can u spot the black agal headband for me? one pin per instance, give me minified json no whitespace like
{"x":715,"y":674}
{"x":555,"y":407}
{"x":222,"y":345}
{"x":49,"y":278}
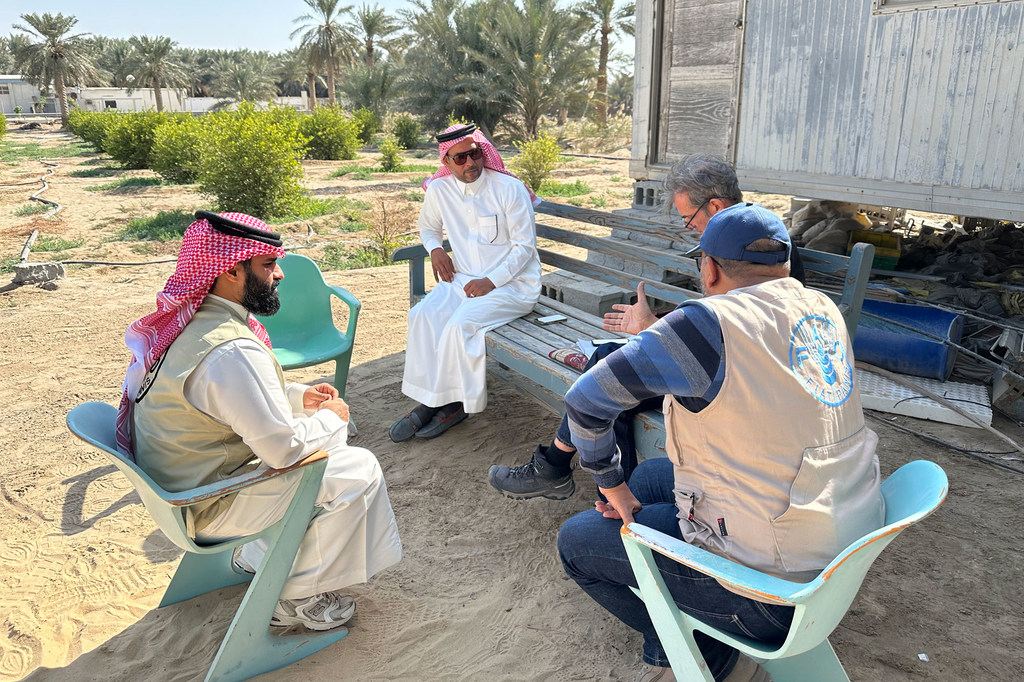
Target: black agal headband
{"x":237,"y":229}
{"x":461,"y":131}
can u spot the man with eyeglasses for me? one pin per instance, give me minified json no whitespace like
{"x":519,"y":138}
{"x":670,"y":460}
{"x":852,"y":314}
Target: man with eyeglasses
{"x":492,"y":277}
{"x":769,"y":463}
{"x":700,"y":186}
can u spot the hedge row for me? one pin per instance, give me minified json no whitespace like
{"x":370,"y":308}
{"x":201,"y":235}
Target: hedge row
{"x":247,"y":158}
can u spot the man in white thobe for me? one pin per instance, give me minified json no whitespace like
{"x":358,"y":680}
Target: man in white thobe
{"x":493,"y":277}
{"x":213,"y":404}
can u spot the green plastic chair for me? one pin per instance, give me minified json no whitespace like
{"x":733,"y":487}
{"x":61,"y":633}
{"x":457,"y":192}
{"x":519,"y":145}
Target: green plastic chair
{"x":911,"y":493}
{"x":303,"y":332}
{"x":248,"y":648}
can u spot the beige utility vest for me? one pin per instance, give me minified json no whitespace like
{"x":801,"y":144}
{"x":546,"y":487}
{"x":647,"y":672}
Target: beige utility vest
{"x":779,"y":472}
{"x":176,"y":444}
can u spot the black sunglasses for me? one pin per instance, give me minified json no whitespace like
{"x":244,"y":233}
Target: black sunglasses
{"x":460,"y":158}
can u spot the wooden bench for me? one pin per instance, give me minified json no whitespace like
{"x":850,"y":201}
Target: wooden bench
{"x":519,"y":349}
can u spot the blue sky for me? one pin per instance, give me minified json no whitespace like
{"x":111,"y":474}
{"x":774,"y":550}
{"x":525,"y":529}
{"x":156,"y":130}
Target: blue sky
{"x":214,"y":24}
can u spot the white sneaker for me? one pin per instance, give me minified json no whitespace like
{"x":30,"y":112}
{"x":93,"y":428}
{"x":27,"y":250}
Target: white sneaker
{"x":654,"y":673}
{"x":324,"y":611}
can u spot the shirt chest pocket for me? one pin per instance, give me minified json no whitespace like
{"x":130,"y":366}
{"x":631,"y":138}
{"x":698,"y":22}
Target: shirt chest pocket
{"x":492,"y":229}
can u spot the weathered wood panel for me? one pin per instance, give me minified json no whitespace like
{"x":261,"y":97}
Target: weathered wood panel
{"x":920,"y":109}
{"x":699,"y":61}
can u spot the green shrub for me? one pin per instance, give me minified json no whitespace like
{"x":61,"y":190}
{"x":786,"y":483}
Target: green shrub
{"x":406,"y":131}
{"x":130,"y":137}
{"x":333,"y":136}
{"x":391,"y":156}
{"x":31,"y":209}
{"x":176,"y":150}
{"x":3,"y":125}
{"x":536,"y":160}
{"x":91,"y":126}
{"x":563,"y":189}
{"x":369,"y":124}
{"x":165,"y":226}
{"x":124,"y":185}
{"x":251,"y":162}
{"x":48,"y":243}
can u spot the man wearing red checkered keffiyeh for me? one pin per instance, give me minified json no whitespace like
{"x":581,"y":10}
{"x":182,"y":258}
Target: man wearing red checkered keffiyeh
{"x":205,"y":400}
{"x":492,"y":277}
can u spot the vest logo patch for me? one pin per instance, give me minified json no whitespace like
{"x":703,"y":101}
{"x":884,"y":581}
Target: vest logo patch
{"x":147,"y":383}
{"x":817,"y":355}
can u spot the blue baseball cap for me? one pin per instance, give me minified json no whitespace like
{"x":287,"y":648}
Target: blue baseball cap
{"x":733,"y":229}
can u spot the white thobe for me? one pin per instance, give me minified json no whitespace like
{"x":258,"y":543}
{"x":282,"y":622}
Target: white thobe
{"x":490,"y":226}
{"x":355,"y":534}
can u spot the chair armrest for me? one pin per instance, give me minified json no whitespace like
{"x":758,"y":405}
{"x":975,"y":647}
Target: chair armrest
{"x":236,"y":483}
{"x":354,"y":306}
{"x":733,"y":576}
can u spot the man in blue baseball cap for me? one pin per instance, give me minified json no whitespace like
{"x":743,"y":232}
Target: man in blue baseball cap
{"x":769,"y":462}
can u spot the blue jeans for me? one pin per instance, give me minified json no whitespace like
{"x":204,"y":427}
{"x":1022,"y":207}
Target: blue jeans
{"x":593,"y":555}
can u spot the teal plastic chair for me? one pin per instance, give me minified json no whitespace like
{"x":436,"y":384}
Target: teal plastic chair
{"x":911,"y":493}
{"x":248,"y":648}
{"x":303,"y":332}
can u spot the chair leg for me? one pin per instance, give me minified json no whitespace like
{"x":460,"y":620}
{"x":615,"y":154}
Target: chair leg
{"x":674,"y":632}
{"x":341,"y":365}
{"x":249,"y":648}
{"x":820,"y":664}
{"x":201,"y":573}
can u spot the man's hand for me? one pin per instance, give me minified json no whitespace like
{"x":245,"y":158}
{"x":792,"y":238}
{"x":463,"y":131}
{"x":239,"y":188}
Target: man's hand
{"x":442,"y":264}
{"x":316,"y":395}
{"x":621,"y":504}
{"x":337,"y":406}
{"x":631,"y":319}
{"x":479,"y":287}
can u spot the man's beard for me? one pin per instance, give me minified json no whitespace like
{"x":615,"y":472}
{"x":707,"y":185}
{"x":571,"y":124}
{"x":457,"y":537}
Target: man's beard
{"x":260,"y":298}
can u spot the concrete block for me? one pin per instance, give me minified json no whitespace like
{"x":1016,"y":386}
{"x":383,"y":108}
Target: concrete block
{"x":613,"y":262}
{"x":37,"y":273}
{"x":619,"y":233}
{"x":651,"y":240}
{"x":591,"y":296}
{"x":647,"y":195}
{"x":633,"y":267}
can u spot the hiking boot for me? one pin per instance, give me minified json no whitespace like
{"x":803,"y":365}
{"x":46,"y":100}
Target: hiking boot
{"x":654,"y":673}
{"x":536,"y":478}
{"x":324,"y":611}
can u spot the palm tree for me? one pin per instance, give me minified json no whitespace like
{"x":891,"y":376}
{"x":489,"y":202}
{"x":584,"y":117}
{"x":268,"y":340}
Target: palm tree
{"x":439,"y":69}
{"x":51,"y":54}
{"x":371,"y":87}
{"x":603,"y":15}
{"x":322,"y":32}
{"x":372,"y":24}
{"x":154,"y":63}
{"x":247,"y":77}
{"x":537,"y":61}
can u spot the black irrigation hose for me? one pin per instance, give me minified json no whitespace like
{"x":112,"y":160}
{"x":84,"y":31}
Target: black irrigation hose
{"x":938,"y":441}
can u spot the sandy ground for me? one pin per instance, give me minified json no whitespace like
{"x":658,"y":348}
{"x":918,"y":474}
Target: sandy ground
{"x":479,"y":593}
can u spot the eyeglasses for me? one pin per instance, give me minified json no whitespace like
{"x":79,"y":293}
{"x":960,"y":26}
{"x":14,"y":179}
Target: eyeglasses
{"x":700,"y":257}
{"x":700,"y":208}
{"x":460,"y":158}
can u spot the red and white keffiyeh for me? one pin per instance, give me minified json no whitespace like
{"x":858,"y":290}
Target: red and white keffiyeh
{"x":205,"y":254}
{"x":492,"y":159}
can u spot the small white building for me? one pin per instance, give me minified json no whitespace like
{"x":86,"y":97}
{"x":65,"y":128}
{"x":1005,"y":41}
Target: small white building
{"x":201,"y":105}
{"x":15,"y":91}
{"x":138,"y":99}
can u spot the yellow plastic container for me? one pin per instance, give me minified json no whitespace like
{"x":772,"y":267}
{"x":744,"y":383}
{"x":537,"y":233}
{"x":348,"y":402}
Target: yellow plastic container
{"x":887,"y":247}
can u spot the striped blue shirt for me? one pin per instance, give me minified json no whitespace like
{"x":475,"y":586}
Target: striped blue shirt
{"x":680,"y":355}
